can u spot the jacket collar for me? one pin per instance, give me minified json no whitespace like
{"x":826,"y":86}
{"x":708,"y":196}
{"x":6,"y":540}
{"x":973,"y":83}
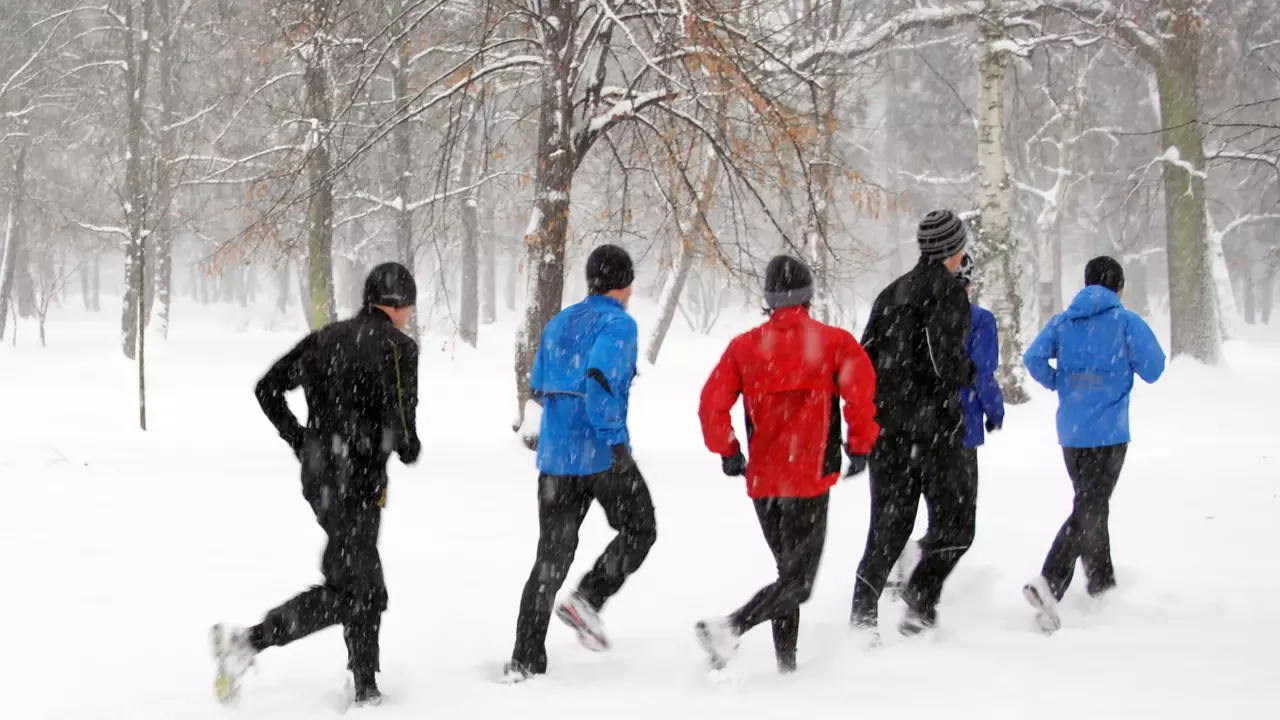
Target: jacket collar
{"x":789,"y":315}
{"x":604,"y":301}
{"x":373,"y":313}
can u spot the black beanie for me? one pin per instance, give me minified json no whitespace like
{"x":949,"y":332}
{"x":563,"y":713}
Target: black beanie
{"x":1104,"y":271}
{"x":965,"y":273}
{"x":609,"y":268}
{"x":941,"y":234}
{"x":787,"y":283}
{"x":390,"y":285}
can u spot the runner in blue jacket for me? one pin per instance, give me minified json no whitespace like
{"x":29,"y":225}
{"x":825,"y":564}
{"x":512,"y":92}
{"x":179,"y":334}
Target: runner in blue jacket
{"x":984,"y":401}
{"x":1096,"y":346}
{"x":582,"y":377}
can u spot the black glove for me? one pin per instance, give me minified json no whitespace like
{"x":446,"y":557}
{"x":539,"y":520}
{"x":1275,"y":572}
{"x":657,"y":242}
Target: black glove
{"x":409,"y":453}
{"x":857,"y":464}
{"x":622,"y":460}
{"x":735,"y":465}
{"x":994,"y":425}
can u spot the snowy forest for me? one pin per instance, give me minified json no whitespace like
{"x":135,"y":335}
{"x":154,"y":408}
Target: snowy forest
{"x":245,"y":152}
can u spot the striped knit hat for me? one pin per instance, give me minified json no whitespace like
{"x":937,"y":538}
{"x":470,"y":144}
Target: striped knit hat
{"x":941,"y":235}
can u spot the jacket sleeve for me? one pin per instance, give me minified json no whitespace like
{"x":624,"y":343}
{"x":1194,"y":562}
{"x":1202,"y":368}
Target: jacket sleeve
{"x":285,"y":375}
{"x":946,"y":333}
{"x":719,"y":395}
{"x":610,"y":367}
{"x":1145,"y":355}
{"x":856,"y":382}
{"x":985,"y":354}
{"x":1042,"y":350}
{"x":405,"y":359}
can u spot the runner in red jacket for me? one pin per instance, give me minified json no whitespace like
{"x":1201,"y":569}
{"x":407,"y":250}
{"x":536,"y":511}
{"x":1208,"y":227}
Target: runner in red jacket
{"x":792,"y":372}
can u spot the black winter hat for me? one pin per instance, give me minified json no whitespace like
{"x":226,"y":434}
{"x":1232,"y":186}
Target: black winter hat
{"x":390,"y":285}
{"x":966,"y":271}
{"x":1104,"y":271}
{"x":609,"y":268}
{"x":941,"y":234}
{"x":787,"y":283}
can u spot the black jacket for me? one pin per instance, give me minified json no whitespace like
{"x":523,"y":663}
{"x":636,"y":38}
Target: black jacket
{"x":360,"y":378}
{"x":916,"y":336}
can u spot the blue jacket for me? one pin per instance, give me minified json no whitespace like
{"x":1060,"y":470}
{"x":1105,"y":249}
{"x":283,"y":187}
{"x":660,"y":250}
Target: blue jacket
{"x":1098,"y":346}
{"x":983,"y":401}
{"x":582,"y":376}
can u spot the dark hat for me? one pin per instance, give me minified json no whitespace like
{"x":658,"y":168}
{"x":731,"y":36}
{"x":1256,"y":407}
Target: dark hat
{"x":1104,"y":271}
{"x":967,"y":269}
{"x":609,"y":268}
{"x":787,"y":283}
{"x":390,"y":285}
{"x":941,"y":234}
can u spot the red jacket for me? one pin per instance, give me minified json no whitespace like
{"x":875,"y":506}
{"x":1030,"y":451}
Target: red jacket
{"x":792,"y":371}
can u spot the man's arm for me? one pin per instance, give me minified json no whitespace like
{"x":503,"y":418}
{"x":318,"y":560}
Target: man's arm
{"x":856,"y":382}
{"x":986,"y":356}
{"x":285,"y":375}
{"x":1145,"y":354}
{"x":405,"y":359}
{"x":1043,"y":349}
{"x":610,"y":367}
{"x":719,"y":395}
{"x":945,"y":334}
{"x":871,"y":333}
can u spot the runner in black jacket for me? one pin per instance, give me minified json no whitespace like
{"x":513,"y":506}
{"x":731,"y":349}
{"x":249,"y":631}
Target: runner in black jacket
{"x":915,"y":337}
{"x":360,"y":378}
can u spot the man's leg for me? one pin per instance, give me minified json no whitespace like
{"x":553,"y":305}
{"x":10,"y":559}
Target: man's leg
{"x":359,"y":574}
{"x":625,"y":499}
{"x":796,"y":531}
{"x":563,"y":501}
{"x":951,"y":493}
{"x":1098,"y":477}
{"x":1060,"y":564}
{"x":895,"y":497}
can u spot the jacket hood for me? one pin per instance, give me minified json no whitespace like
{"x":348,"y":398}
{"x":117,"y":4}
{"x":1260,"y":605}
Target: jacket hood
{"x":1093,"y":300}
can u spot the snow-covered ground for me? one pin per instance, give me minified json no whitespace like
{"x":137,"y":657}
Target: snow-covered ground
{"x":120,"y":549}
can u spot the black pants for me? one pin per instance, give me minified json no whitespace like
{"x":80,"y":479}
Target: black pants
{"x":563,"y":502}
{"x":1094,"y":473}
{"x":796,"y":531}
{"x":353,"y":594}
{"x":902,"y":470}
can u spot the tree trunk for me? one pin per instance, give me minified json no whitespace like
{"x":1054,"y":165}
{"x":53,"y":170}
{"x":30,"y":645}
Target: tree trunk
{"x":669,"y":300}
{"x":1193,"y":308}
{"x":469,"y":310}
{"x":163,"y":251}
{"x":1001,"y":246}
{"x":282,"y":287}
{"x":137,"y":57}
{"x":1225,"y":298}
{"x":549,"y":222}
{"x":1267,"y":301}
{"x":12,"y":236}
{"x":488,"y":264}
{"x":402,"y":140}
{"x":512,"y":282}
{"x":1250,"y":294}
{"x":320,"y":209}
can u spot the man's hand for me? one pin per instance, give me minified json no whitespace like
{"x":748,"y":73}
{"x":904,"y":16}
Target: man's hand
{"x":735,"y":465}
{"x":857,"y":464}
{"x":409,"y":455}
{"x":622,"y":460}
{"x":993,"y":425}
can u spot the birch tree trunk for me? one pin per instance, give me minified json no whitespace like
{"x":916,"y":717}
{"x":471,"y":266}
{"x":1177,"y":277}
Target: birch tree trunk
{"x":12,"y":236}
{"x":320,"y":207}
{"x":137,"y":58}
{"x":1000,"y":278}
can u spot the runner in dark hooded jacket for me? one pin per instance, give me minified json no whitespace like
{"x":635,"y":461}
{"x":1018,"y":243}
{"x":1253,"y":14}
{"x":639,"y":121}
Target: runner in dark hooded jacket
{"x":915,"y":337}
